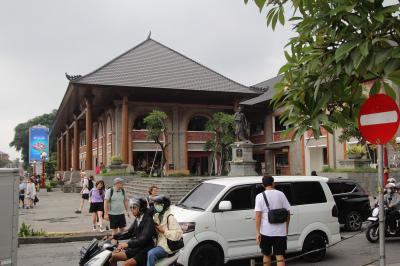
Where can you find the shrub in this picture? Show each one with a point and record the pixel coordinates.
(26, 231)
(178, 174)
(116, 159)
(356, 150)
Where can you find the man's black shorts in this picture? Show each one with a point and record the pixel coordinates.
(273, 245)
(117, 221)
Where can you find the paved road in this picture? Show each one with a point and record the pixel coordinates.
(352, 252)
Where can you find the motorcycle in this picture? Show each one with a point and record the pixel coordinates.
(372, 232)
(98, 253)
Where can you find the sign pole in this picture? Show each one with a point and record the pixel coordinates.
(382, 258)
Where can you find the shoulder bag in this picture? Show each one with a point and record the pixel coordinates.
(276, 216)
(174, 246)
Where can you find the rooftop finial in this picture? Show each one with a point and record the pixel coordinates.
(148, 37)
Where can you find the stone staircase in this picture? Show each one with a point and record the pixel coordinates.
(174, 187)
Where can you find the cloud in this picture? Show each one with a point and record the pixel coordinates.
(43, 39)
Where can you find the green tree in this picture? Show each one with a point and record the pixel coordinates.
(222, 125)
(21, 135)
(156, 124)
(339, 45)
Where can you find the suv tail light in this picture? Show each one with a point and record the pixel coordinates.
(335, 211)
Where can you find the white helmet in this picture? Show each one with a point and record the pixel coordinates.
(390, 185)
(391, 180)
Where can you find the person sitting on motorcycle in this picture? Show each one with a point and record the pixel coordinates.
(140, 235)
(167, 228)
(392, 201)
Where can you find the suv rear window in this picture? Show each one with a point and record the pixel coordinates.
(308, 193)
(342, 187)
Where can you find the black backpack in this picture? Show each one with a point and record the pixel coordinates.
(91, 184)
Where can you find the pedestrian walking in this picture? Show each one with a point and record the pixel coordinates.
(153, 192)
(272, 222)
(22, 188)
(314, 173)
(84, 193)
(30, 193)
(115, 205)
(96, 201)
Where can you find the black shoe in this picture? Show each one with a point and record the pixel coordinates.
(78, 211)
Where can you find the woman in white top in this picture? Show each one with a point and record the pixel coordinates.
(30, 193)
(84, 192)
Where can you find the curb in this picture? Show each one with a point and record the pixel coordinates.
(58, 239)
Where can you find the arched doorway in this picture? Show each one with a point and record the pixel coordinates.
(100, 143)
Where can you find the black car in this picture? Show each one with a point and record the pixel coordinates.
(352, 202)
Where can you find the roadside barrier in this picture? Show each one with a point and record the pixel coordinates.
(254, 263)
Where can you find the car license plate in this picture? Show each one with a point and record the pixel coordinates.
(373, 219)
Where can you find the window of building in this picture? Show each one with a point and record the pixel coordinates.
(325, 155)
(278, 124)
(198, 123)
(257, 127)
(308, 193)
(139, 123)
(240, 198)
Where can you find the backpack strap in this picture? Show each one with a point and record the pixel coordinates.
(168, 220)
(265, 199)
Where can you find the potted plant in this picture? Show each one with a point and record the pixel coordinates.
(116, 160)
(356, 152)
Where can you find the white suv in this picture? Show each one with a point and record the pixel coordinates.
(218, 218)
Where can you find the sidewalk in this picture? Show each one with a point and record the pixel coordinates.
(55, 213)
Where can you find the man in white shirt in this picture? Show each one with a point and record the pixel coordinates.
(272, 238)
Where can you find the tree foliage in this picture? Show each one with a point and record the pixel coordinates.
(4, 162)
(21, 135)
(222, 125)
(339, 45)
(156, 124)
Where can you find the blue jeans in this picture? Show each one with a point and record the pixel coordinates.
(155, 254)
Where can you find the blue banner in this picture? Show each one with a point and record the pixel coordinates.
(38, 143)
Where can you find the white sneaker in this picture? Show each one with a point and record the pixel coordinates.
(94, 227)
(101, 229)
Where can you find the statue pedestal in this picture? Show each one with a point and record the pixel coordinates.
(242, 163)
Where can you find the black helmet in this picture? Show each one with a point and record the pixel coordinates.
(162, 199)
(138, 202)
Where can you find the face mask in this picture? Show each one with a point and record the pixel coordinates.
(158, 208)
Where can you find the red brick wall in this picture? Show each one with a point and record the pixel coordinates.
(281, 136)
(139, 135)
(198, 136)
(310, 133)
(258, 139)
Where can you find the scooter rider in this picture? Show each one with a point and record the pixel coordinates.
(392, 201)
(140, 233)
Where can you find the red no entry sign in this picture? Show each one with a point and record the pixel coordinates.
(379, 119)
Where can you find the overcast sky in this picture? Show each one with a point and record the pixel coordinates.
(41, 40)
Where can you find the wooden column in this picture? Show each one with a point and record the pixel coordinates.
(75, 160)
(58, 155)
(125, 123)
(62, 160)
(68, 150)
(89, 129)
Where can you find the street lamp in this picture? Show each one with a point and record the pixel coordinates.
(43, 156)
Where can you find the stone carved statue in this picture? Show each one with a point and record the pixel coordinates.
(241, 125)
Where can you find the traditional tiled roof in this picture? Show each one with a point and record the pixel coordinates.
(153, 65)
(268, 87)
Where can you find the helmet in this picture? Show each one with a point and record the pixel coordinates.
(391, 180)
(138, 202)
(161, 199)
(390, 185)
